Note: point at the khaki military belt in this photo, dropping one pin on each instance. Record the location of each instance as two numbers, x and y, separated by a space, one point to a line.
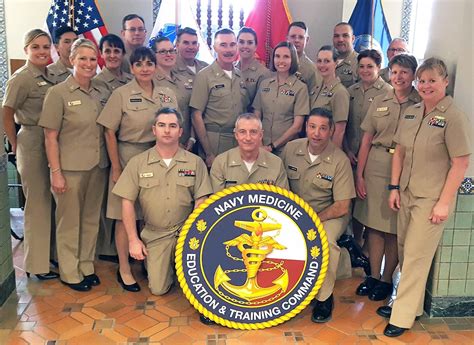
387 149
219 129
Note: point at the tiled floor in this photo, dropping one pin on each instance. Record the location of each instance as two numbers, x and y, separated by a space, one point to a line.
50 313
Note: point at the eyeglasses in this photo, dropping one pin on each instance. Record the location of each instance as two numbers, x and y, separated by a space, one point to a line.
252 132
396 50
164 51
134 30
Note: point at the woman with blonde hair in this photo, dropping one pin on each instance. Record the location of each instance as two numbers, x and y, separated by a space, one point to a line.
22 103
77 160
428 166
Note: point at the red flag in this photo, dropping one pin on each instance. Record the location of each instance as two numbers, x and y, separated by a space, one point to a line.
270 20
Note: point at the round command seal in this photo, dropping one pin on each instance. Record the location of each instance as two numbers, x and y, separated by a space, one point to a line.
252 256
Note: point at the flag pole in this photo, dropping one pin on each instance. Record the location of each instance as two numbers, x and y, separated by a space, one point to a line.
373 25
176 19
71 13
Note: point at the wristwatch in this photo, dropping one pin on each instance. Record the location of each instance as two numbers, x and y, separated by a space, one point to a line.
393 187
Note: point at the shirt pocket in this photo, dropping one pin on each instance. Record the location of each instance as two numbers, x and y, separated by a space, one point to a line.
138 106
322 183
146 182
220 90
184 190
294 179
381 119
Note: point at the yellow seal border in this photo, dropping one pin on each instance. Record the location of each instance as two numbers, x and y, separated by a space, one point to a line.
239 188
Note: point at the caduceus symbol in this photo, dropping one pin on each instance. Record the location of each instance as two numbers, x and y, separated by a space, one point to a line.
254 248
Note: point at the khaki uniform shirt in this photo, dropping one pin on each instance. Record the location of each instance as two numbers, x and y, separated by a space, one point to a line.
360 102
126 67
321 183
220 98
383 117
230 170
253 76
332 97
182 88
182 68
166 194
25 92
346 69
430 142
110 81
59 71
73 112
279 104
132 113
385 74
307 72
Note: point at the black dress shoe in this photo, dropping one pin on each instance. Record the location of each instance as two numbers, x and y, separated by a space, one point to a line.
365 288
205 320
386 311
92 279
322 311
132 287
381 291
109 258
358 259
393 331
82 286
45 276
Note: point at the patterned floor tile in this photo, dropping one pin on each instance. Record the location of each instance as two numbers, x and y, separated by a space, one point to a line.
51 313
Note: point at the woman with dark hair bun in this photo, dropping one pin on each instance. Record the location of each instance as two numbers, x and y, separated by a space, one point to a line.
362 95
282 101
128 118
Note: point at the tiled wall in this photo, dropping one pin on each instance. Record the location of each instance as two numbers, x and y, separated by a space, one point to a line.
7 273
452 273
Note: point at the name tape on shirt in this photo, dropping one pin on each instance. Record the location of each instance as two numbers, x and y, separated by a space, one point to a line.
74 103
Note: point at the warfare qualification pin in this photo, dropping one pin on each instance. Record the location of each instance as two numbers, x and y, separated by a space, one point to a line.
252 256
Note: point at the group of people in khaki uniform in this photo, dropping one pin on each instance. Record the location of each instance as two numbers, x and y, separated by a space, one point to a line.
148 108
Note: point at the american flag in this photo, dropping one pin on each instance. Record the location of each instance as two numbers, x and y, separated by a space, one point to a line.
82 15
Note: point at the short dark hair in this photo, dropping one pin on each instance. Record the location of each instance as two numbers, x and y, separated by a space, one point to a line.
323 112
130 17
345 24
328 48
167 110
185 30
404 60
371 54
248 30
61 31
141 54
224 31
158 39
301 25
293 55
113 41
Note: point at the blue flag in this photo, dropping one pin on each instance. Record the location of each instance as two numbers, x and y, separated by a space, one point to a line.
370 27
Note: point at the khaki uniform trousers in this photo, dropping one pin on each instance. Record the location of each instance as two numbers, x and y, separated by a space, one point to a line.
160 245
418 240
334 229
106 238
77 222
220 139
32 165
